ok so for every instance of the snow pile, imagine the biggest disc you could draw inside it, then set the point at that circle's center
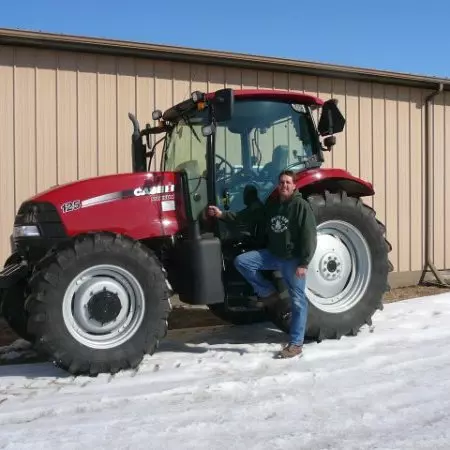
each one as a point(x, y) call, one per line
point(222, 389)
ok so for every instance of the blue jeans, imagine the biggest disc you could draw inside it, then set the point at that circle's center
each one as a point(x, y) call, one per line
point(249, 264)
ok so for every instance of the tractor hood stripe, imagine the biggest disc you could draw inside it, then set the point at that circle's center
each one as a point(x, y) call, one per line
point(106, 198)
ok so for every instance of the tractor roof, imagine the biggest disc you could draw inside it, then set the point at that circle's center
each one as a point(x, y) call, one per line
point(176, 111)
point(294, 97)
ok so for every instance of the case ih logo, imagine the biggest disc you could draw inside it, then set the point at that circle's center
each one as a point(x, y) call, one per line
point(154, 190)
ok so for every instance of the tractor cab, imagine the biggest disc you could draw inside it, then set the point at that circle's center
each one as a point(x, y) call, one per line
point(224, 144)
point(227, 140)
point(261, 137)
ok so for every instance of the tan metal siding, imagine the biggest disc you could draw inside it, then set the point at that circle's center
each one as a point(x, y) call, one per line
point(64, 116)
point(416, 168)
point(446, 131)
point(107, 115)
point(24, 124)
point(440, 116)
point(7, 163)
point(391, 158)
point(67, 118)
point(365, 140)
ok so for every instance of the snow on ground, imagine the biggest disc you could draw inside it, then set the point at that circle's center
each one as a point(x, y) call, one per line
point(222, 389)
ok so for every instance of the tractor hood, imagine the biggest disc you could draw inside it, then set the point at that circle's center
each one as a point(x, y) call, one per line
point(89, 192)
point(140, 205)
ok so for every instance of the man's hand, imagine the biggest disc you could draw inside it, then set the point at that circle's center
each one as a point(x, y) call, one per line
point(214, 211)
point(301, 272)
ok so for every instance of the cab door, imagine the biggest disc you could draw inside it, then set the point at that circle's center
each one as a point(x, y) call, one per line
point(234, 172)
point(196, 259)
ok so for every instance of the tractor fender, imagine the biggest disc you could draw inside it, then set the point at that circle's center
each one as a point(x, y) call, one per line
point(332, 180)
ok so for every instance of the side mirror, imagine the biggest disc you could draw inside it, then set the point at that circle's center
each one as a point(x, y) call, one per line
point(331, 120)
point(329, 142)
point(138, 152)
point(223, 103)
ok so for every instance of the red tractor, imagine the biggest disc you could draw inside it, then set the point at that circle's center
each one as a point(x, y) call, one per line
point(95, 262)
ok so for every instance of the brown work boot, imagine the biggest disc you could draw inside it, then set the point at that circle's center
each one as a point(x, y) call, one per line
point(261, 302)
point(270, 299)
point(290, 351)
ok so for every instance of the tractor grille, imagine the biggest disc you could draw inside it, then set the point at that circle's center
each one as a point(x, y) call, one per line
point(46, 218)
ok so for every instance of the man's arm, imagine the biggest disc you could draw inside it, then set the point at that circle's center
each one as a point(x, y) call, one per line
point(307, 235)
point(229, 216)
point(246, 216)
point(226, 216)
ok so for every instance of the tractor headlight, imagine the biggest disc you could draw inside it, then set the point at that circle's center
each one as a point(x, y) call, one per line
point(26, 231)
point(197, 96)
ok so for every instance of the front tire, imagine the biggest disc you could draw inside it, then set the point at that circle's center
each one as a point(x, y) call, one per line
point(12, 303)
point(347, 277)
point(99, 304)
point(13, 311)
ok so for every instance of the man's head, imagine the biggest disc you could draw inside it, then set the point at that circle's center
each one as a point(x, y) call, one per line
point(286, 185)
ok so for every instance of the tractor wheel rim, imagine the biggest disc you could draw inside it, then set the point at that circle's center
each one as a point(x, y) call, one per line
point(103, 306)
point(340, 270)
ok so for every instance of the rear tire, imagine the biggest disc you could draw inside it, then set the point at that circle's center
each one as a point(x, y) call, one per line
point(351, 270)
point(98, 304)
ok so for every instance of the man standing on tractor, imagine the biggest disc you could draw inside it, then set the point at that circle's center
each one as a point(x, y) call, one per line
point(291, 238)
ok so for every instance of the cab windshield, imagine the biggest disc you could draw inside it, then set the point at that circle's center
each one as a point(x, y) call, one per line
point(257, 130)
point(262, 138)
point(185, 144)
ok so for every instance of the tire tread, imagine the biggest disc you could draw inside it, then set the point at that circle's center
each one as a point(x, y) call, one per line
point(47, 277)
point(318, 329)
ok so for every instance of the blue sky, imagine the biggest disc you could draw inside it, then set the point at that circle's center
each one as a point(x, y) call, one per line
point(405, 36)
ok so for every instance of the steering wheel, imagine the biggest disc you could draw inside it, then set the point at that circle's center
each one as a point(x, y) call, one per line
point(233, 182)
point(233, 178)
point(224, 161)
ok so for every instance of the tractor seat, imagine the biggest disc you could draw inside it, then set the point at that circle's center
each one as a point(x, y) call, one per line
point(280, 160)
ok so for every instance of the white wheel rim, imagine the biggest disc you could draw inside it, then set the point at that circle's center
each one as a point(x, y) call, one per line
point(340, 270)
point(101, 323)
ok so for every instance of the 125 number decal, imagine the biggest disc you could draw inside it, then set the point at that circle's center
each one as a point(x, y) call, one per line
point(71, 206)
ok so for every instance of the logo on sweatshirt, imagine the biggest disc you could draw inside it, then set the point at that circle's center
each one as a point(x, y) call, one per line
point(279, 224)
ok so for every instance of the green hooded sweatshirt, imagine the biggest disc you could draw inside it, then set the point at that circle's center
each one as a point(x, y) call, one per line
point(290, 228)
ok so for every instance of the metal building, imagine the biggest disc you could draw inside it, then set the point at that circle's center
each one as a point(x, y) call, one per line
point(64, 102)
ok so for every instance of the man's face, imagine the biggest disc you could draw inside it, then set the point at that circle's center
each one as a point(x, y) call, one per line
point(286, 186)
